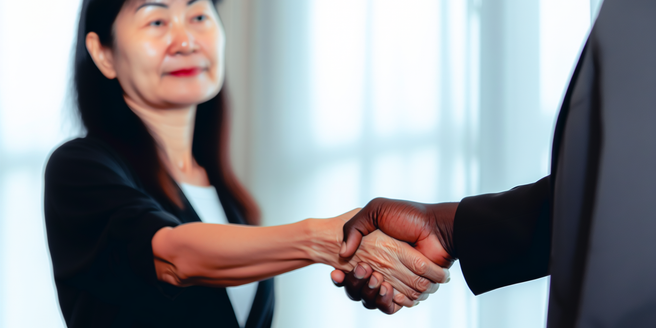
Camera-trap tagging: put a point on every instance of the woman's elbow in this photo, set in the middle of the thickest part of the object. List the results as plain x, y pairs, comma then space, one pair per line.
169, 273
166, 268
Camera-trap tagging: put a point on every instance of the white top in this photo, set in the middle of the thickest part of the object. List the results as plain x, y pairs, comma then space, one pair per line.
205, 202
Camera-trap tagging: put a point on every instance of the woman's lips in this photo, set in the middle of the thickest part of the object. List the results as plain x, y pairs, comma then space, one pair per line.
187, 72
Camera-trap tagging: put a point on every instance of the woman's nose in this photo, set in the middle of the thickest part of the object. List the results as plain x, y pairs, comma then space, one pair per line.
182, 41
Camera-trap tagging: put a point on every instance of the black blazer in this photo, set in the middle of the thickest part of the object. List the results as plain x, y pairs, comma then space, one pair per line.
591, 223
100, 223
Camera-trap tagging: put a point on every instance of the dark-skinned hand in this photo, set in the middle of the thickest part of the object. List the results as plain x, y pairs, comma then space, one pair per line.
427, 227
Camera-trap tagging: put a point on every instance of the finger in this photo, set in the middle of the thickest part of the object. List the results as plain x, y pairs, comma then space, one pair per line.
429, 292
423, 297
385, 300
360, 225
407, 282
397, 282
352, 240
338, 277
357, 279
422, 266
402, 299
433, 288
371, 289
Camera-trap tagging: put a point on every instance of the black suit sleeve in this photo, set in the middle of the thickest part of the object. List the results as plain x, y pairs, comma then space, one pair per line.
95, 212
504, 238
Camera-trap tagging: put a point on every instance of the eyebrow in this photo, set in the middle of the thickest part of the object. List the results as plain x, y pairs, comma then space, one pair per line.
159, 4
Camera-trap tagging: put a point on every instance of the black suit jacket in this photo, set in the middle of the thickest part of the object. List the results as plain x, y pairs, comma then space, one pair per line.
591, 223
100, 223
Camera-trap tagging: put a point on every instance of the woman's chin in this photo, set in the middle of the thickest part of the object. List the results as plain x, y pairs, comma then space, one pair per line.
189, 93
186, 100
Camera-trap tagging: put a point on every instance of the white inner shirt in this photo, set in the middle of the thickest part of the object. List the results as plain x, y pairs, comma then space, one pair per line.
205, 202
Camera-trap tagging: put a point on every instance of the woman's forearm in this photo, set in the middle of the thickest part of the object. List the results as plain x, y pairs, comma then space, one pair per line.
230, 255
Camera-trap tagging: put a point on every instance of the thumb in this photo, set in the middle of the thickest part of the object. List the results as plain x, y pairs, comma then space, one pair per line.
360, 225
337, 277
352, 239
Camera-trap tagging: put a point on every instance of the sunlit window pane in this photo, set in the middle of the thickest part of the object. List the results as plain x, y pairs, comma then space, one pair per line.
405, 66
338, 43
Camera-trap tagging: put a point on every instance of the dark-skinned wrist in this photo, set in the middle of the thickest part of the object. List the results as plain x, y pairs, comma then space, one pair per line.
443, 217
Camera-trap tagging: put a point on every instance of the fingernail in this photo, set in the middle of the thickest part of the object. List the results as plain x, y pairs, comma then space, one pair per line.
343, 249
334, 282
373, 282
360, 272
448, 279
383, 291
447, 275
416, 303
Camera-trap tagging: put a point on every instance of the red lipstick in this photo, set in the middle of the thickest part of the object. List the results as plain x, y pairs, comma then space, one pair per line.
186, 72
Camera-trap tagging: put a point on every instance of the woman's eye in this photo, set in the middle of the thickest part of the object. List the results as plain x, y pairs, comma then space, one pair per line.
200, 18
157, 23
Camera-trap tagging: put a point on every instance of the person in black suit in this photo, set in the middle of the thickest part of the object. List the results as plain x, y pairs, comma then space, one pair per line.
137, 211
590, 224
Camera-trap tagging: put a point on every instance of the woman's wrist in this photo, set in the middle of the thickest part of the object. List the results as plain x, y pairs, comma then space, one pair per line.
324, 237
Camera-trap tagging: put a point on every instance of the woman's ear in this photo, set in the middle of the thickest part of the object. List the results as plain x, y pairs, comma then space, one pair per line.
102, 56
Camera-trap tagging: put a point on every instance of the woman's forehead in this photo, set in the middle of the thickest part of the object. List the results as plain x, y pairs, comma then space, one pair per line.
137, 3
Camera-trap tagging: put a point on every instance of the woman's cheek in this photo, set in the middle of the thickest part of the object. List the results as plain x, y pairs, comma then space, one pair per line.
152, 50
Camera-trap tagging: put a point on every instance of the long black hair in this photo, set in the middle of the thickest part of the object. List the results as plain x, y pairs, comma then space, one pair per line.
106, 116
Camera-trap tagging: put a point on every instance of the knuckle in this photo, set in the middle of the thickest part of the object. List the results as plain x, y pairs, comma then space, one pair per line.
348, 226
420, 266
410, 294
421, 284
377, 201
414, 295
385, 245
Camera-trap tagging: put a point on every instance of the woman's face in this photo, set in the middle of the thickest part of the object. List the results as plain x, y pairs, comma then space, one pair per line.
168, 53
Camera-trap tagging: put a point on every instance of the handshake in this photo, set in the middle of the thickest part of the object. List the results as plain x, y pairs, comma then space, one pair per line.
402, 249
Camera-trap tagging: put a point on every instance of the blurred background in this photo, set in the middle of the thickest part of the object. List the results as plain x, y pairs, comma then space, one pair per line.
334, 102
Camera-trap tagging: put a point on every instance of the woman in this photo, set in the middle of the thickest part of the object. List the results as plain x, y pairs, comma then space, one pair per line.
137, 211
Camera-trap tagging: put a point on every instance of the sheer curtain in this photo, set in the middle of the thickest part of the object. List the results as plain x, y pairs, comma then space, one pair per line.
335, 102
35, 43
423, 100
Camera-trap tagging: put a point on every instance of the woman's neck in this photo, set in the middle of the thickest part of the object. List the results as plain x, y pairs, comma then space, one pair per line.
173, 131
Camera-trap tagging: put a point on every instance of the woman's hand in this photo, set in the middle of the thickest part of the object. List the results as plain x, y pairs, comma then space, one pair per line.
404, 268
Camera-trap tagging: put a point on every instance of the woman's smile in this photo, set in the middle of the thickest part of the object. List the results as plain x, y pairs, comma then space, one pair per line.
187, 72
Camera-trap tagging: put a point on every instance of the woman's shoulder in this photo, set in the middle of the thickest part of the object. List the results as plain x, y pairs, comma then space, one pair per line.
86, 146
84, 155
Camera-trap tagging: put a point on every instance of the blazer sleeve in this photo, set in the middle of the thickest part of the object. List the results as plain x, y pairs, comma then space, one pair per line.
96, 213
504, 238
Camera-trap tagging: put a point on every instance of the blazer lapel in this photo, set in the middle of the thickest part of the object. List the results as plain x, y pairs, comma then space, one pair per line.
575, 164
562, 115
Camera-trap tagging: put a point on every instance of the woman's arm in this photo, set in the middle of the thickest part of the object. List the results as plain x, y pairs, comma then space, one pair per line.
230, 255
